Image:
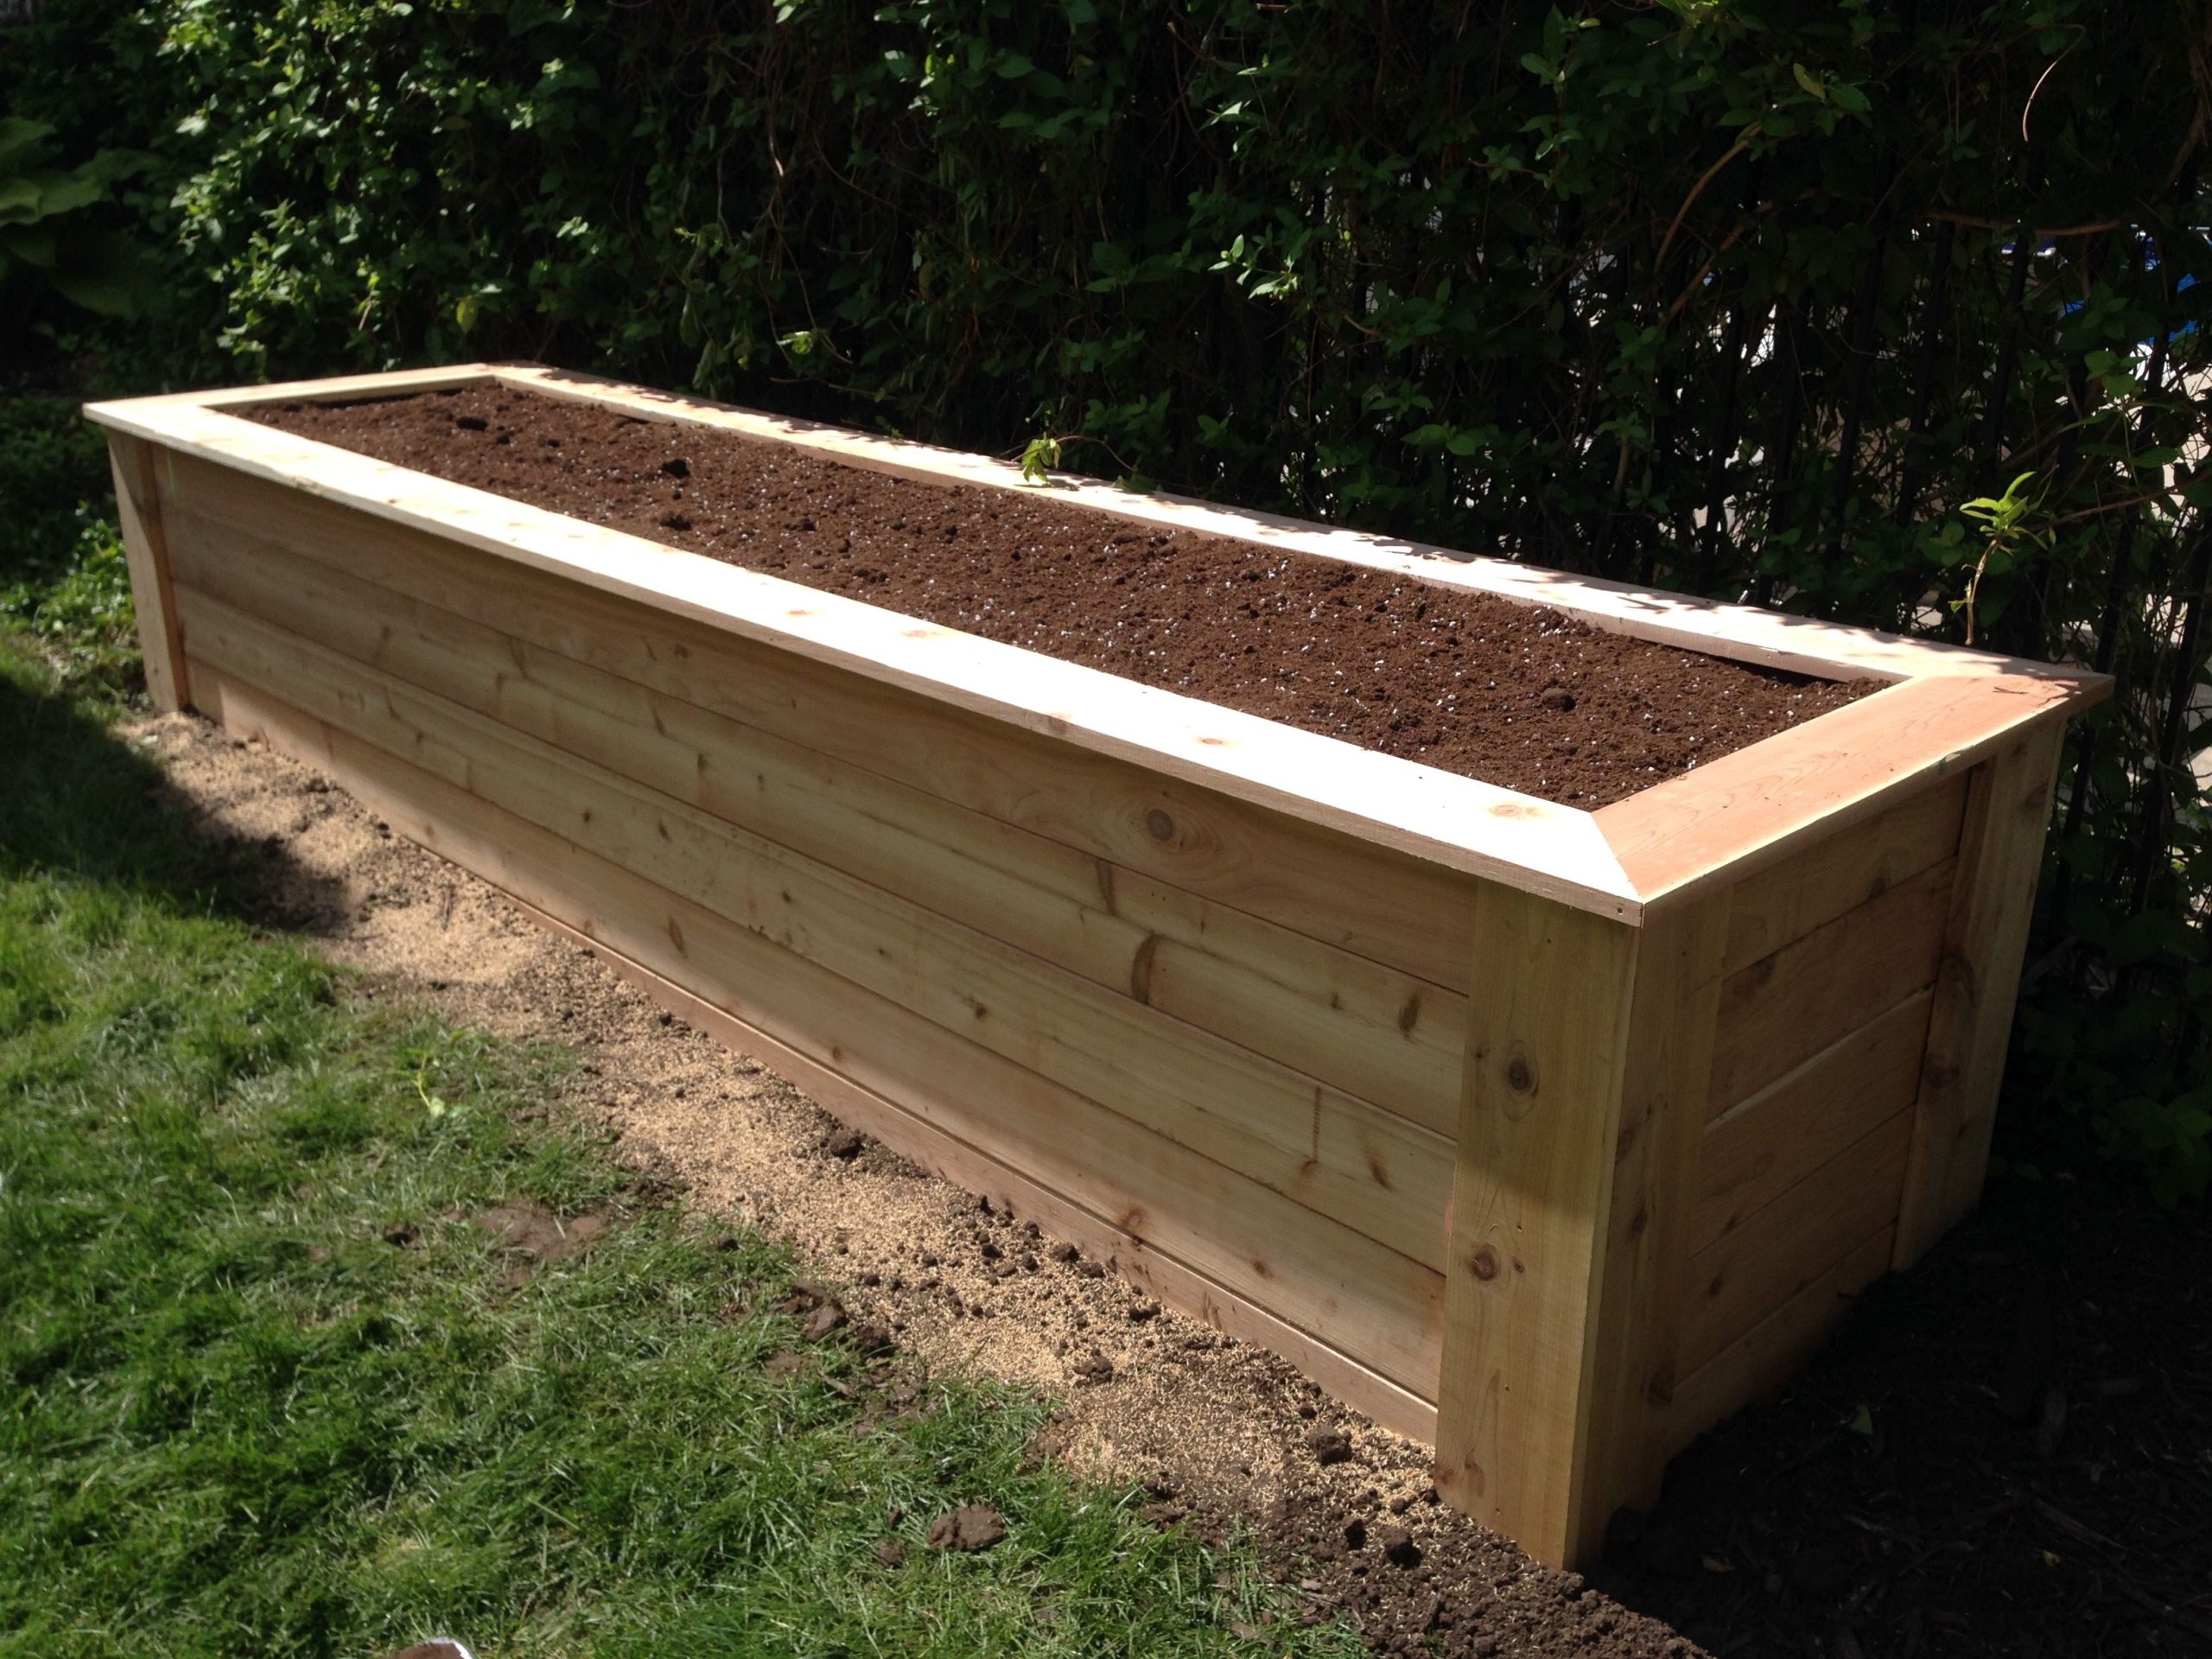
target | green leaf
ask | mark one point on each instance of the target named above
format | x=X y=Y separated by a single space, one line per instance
x=104 y=273
x=65 y=193
x=1810 y=81
x=1039 y=458
x=20 y=139
x=19 y=201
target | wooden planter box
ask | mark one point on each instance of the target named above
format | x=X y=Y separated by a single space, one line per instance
x=1249 y=1013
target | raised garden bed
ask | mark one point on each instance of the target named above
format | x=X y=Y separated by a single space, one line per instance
x=1249 y=1011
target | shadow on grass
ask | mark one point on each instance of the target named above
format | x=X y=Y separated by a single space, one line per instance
x=78 y=799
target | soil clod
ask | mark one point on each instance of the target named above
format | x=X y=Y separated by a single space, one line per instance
x=533 y=1235
x=1328 y=1444
x=971 y=1527
x=1396 y=1544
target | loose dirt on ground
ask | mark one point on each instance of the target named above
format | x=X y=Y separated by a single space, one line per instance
x=2009 y=1452
x=1517 y=695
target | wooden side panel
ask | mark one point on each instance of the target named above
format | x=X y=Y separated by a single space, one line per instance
x=1369 y=1169
x=1764 y=1146
x=1986 y=936
x=1787 y=1006
x=1828 y=878
x=1531 y=1197
x=1346 y=1020
x=1762 y=1358
x=1741 y=1278
x=1379 y=1312
x=145 y=549
x=1392 y=909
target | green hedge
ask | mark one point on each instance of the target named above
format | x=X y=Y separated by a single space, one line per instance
x=1752 y=299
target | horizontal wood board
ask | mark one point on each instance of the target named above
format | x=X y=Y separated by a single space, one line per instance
x=1690 y=830
x=1386 y=1036
x=1378 y=1309
x=1402 y=913
x=1377 y=1172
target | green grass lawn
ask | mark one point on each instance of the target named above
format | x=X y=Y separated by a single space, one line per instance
x=238 y=1418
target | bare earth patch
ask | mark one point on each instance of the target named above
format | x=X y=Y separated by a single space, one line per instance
x=1219 y=1432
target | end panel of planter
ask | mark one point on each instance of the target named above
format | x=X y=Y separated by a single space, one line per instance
x=145 y=550
x=1227 y=1043
x=1836 y=1126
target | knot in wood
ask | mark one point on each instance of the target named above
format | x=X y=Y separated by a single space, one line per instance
x=1483 y=1263
x=1519 y=1076
x=1161 y=826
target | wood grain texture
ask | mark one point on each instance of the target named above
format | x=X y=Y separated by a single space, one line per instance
x=1775 y=1252
x=1748 y=812
x=1986 y=935
x=1533 y=1190
x=131 y=462
x=1377 y=1173
x=1432 y=815
x=1365 y=900
x=1395 y=1407
x=1340 y=1291
x=1651 y=1225
x=1786 y=1007
x=1373 y=1032
x=1763 y=1147
x=385 y=383
x=1825 y=878
x=1761 y=1359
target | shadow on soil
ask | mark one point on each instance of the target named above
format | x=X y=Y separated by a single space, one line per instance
x=2007 y=1451
x=78 y=798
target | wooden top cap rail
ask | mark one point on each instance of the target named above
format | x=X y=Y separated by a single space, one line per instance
x=1429 y=814
x=1948 y=708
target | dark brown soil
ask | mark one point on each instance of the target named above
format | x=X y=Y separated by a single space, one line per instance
x=1517 y=695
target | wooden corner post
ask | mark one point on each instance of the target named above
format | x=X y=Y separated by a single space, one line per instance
x=1985 y=938
x=1539 y=1118
x=137 y=505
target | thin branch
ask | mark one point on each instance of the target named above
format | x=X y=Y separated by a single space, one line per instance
x=1659 y=259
